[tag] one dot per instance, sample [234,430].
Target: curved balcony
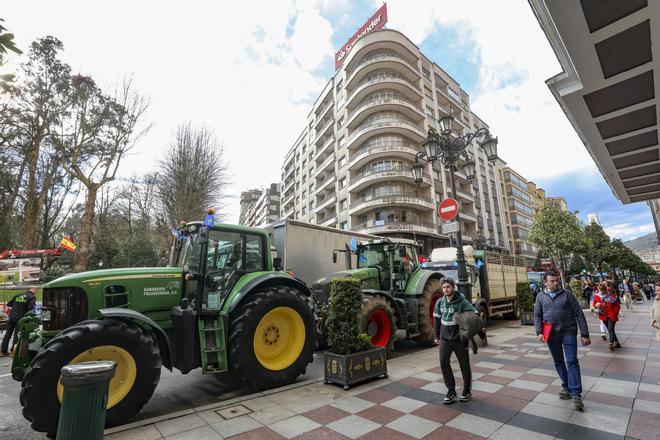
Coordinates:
[399,83]
[408,199]
[400,149]
[325,204]
[329,221]
[323,148]
[368,108]
[325,184]
[364,179]
[388,59]
[330,160]
[321,133]
[409,129]
[383,226]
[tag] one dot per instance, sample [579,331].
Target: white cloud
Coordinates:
[628,231]
[515,57]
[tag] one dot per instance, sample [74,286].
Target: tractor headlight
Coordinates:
[46,315]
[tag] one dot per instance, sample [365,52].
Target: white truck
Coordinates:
[493,277]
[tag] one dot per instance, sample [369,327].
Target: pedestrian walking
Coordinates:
[592,307]
[608,305]
[627,294]
[655,312]
[20,304]
[587,290]
[557,316]
[447,335]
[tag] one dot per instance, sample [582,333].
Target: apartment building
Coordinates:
[261,206]
[350,166]
[522,200]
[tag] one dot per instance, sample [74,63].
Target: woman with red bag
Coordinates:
[608,306]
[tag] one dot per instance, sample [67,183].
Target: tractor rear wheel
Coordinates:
[271,338]
[137,374]
[376,319]
[432,293]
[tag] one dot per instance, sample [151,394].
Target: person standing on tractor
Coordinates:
[20,304]
[448,337]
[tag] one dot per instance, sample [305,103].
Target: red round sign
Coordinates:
[448,209]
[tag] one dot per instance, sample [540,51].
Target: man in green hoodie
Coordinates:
[447,336]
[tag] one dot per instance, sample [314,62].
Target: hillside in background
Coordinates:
[648,241]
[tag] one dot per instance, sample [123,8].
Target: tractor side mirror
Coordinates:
[277,263]
[334,257]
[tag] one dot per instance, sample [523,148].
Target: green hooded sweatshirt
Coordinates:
[445,310]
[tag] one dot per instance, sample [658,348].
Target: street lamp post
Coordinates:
[449,149]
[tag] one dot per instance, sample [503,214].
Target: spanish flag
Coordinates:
[68,244]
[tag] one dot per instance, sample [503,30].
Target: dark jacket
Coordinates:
[563,312]
[20,304]
[445,326]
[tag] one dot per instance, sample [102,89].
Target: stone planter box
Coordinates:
[350,369]
[527,318]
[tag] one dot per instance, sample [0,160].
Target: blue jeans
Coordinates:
[564,352]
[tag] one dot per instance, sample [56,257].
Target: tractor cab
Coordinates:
[395,261]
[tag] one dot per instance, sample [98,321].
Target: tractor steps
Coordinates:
[212,342]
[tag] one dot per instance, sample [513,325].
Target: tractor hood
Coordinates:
[84,279]
[321,287]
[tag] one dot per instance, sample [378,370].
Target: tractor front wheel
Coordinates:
[377,320]
[137,374]
[432,293]
[271,338]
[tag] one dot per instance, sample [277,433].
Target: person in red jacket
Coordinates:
[608,305]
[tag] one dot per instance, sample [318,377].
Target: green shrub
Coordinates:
[344,306]
[525,297]
[576,287]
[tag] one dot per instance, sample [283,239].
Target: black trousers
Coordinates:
[461,350]
[610,328]
[12,327]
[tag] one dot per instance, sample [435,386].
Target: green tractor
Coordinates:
[222,309]
[399,296]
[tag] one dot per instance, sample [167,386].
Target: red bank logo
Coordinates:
[376,22]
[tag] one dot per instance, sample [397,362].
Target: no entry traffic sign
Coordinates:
[448,209]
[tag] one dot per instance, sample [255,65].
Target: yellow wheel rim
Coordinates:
[279,338]
[125,374]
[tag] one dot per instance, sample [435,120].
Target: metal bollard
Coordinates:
[84,401]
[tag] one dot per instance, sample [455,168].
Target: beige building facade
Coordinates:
[522,200]
[260,207]
[350,166]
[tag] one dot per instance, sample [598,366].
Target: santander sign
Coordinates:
[376,22]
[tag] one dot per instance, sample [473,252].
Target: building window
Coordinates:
[342,141]
[429,112]
[339,85]
[342,183]
[342,162]
[343,225]
[343,204]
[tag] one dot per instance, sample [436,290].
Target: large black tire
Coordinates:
[432,293]
[41,405]
[376,319]
[513,315]
[244,322]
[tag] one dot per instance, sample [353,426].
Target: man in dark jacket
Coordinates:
[20,304]
[447,335]
[560,309]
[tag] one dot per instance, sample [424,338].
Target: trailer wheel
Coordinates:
[515,314]
[377,320]
[483,313]
[271,338]
[432,293]
[137,374]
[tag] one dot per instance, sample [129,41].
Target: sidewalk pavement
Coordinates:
[515,396]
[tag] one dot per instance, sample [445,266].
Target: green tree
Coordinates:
[598,247]
[6,44]
[557,234]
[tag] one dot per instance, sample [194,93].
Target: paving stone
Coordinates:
[528,385]
[475,424]
[643,425]
[491,365]
[326,414]
[538,424]
[376,396]
[609,399]
[491,378]
[614,386]
[233,412]
[509,357]
[414,426]
[508,432]
[380,414]
[506,373]
[438,413]
[548,411]
[353,404]
[427,375]
[403,404]
[259,403]
[237,426]
[271,415]
[384,433]
[353,426]
[202,433]
[647,406]
[435,387]
[486,387]
[262,433]
[602,417]
[294,426]
[518,393]
[179,424]
[449,433]
[148,432]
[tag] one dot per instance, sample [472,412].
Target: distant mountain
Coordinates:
[648,241]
